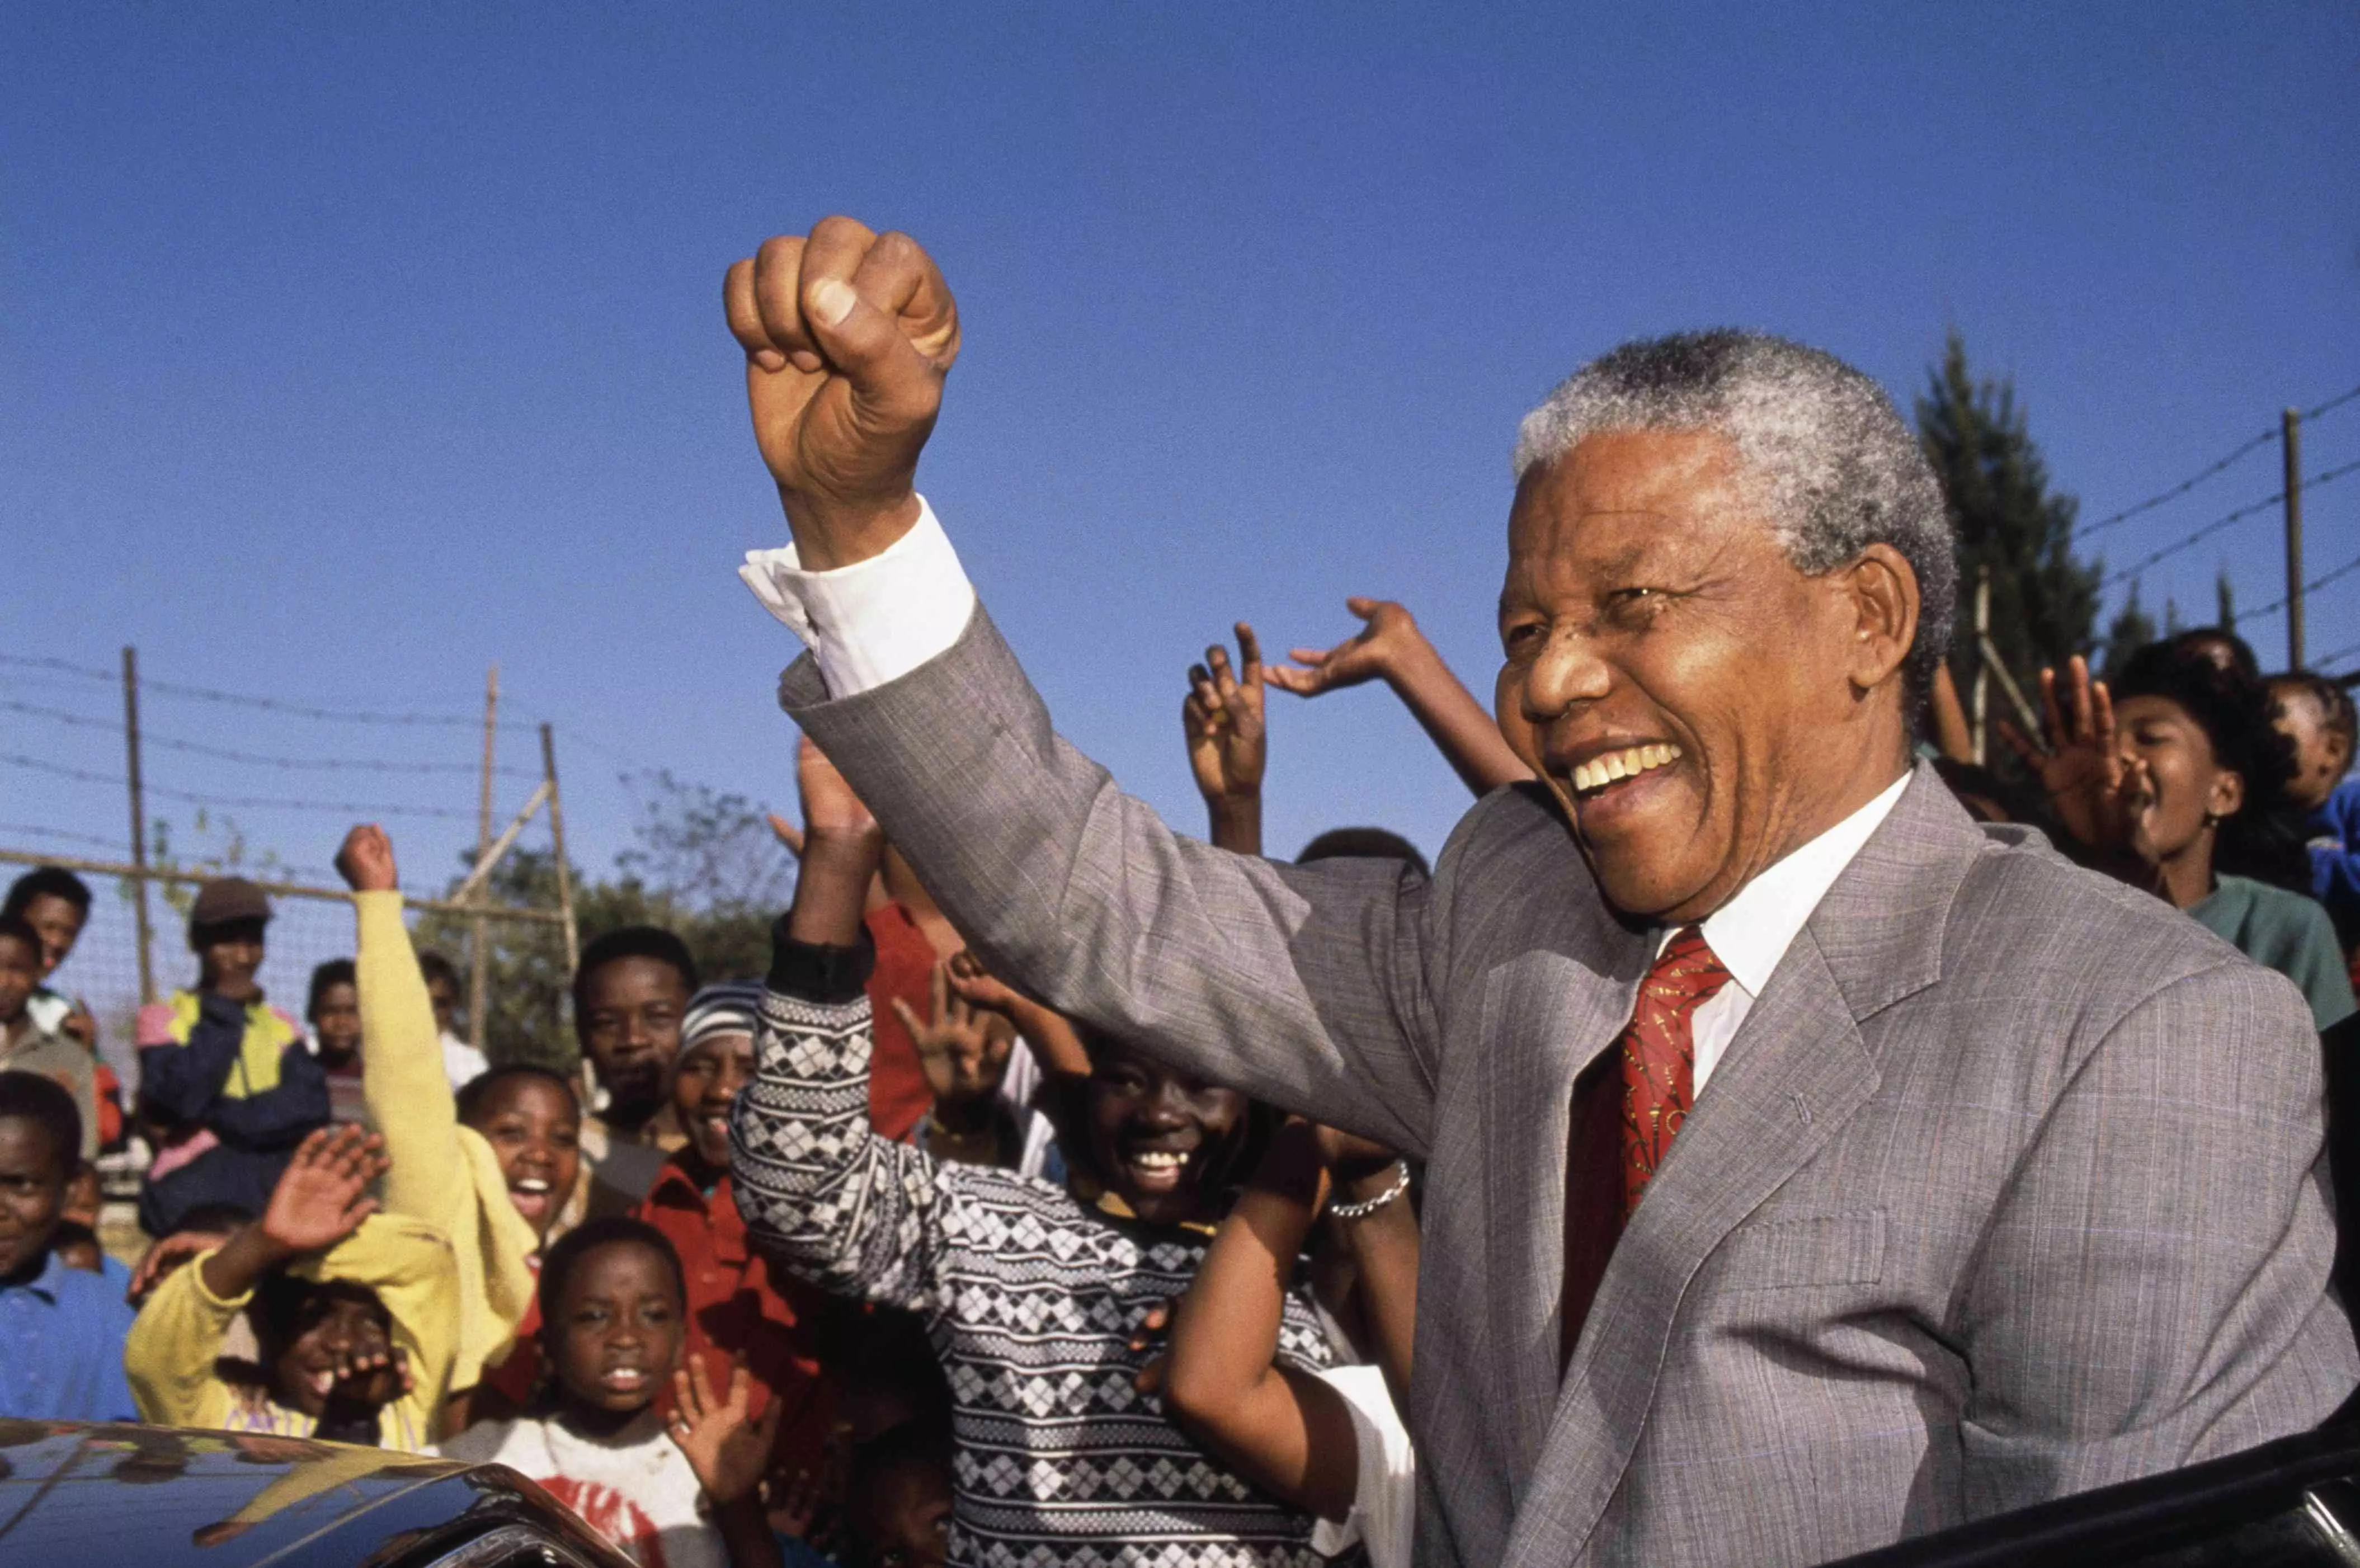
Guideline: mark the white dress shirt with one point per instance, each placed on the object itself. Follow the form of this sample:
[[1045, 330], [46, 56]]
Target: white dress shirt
[[878, 620]]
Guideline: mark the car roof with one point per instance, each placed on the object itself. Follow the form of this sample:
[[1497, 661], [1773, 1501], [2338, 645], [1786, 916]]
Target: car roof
[[162, 1497]]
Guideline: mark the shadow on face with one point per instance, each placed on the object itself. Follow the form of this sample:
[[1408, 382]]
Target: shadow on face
[[20, 975], [704, 1086], [228, 955], [310, 1330], [59, 923], [34, 1172]]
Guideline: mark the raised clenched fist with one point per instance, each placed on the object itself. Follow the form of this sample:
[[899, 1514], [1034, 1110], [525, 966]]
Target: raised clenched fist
[[848, 335]]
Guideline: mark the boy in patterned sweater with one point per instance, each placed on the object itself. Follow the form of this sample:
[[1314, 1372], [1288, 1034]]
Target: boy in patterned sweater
[[1031, 1292]]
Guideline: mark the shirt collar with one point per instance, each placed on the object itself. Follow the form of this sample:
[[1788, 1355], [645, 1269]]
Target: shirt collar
[[1752, 931], [50, 1282]]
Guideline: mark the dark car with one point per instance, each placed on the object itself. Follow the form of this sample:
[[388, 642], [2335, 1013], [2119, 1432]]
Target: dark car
[[157, 1497]]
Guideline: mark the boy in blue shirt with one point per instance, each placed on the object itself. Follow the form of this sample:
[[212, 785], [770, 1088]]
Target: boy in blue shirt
[[61, 1328]]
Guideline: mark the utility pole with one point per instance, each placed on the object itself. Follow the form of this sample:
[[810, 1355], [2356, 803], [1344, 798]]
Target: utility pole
[[1982, 692], [479, 968], [557, 843], [139, 820], [2290, 438]]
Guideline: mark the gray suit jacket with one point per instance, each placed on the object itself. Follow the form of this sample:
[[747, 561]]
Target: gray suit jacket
[[2010, 1185]]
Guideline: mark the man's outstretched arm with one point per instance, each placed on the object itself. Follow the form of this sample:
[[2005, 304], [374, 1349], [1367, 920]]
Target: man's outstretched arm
[[1305, 987]]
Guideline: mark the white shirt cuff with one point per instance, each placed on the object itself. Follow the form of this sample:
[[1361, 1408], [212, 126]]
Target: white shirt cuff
[[874, 621]]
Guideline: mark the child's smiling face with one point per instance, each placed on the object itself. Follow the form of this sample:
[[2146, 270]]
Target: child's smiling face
[[617, 1330], [33, 1173], [339, 1324], [534, 1126]]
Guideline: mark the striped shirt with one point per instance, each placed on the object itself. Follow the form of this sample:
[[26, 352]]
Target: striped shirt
[[1030, 1299]]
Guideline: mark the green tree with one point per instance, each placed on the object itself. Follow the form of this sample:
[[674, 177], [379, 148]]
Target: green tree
[[2225, 598], [2131, 630], [705, 864], [2044, 600]]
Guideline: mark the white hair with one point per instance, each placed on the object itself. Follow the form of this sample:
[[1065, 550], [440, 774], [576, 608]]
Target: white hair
[[1835, 468]]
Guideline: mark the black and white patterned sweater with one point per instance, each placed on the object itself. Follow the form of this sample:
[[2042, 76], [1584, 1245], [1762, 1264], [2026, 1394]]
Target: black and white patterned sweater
[[1030, 1298]]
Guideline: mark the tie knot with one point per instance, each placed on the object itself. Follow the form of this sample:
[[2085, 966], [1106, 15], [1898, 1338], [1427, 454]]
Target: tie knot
[[1686, 971]]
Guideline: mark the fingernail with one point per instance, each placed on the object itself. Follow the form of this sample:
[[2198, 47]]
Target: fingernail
[[770, 359], [832, 300]]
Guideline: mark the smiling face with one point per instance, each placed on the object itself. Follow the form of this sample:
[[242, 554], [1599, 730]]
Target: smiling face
[[33, 1176], [338, 1323], [2191, 786], [1157, 1135], [58, 924], [1699, 706], [618, 1329], [535, 1129], [629, 1026], [703, 1088]]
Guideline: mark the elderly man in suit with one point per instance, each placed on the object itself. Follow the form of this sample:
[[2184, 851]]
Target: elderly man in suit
[[1808, 1167]]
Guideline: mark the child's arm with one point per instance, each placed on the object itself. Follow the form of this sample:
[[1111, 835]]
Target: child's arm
[[401, 1054], [1384, 1242], [169, 1356], [1391, 646], [826, 1198], [728, 1451], [1229, 748], [1284, 1430]]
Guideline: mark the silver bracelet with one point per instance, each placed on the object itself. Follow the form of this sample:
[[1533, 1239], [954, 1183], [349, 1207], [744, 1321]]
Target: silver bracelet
[[1369, 1206]]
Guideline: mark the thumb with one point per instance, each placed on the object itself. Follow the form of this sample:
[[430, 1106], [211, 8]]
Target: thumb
[[1364, 607], [868, 344]]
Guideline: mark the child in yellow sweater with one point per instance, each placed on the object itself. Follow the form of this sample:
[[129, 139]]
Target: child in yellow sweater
[[351, 1311], [443, 1172]]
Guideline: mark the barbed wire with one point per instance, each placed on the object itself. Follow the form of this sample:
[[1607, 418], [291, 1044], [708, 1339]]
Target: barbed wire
[[241, 699], [2215, 467], [67, 835], [2279, 604], [2316, 481], [2346, 651], [256, 803], [197, 748]]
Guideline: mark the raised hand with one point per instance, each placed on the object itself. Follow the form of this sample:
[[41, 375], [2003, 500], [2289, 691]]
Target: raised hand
[[726, 1449], [323, 1196], [847, 336], [2081, 767], [963, 1048], [1228, 746], [1379, 650], [366, 861]]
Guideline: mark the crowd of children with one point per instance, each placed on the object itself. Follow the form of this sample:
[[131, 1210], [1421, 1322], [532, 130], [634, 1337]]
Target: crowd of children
[[875, 1259]]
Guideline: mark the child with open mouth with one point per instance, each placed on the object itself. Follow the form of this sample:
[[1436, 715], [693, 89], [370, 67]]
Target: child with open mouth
[[1031, 1292], [670, 1492]]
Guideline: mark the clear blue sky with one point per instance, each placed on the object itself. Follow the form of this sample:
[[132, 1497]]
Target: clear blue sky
[[344, 351]]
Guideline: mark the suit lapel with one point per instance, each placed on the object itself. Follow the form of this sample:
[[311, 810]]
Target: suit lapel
[[1545, 1016], [1795, 1072]]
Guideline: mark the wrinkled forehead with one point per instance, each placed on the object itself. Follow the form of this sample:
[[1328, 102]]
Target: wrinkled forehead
[[1655, 478]]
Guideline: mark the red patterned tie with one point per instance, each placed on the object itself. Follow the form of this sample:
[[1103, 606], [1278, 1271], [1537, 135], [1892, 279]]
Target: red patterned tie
[[1659, 1055]]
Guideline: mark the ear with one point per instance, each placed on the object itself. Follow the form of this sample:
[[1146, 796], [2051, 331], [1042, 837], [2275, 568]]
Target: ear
[[1881, 591], [2228, 795]]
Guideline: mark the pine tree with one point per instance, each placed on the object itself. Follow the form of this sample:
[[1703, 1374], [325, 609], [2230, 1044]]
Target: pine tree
[[2225, 593], [2044, 600], [2131, 630]]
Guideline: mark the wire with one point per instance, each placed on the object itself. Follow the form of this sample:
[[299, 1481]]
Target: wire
[[2343, 652], [92, 838], [2217, 524], [82, 721], [256, 803], [2215, 467], [2309, 588], [238, 699]]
